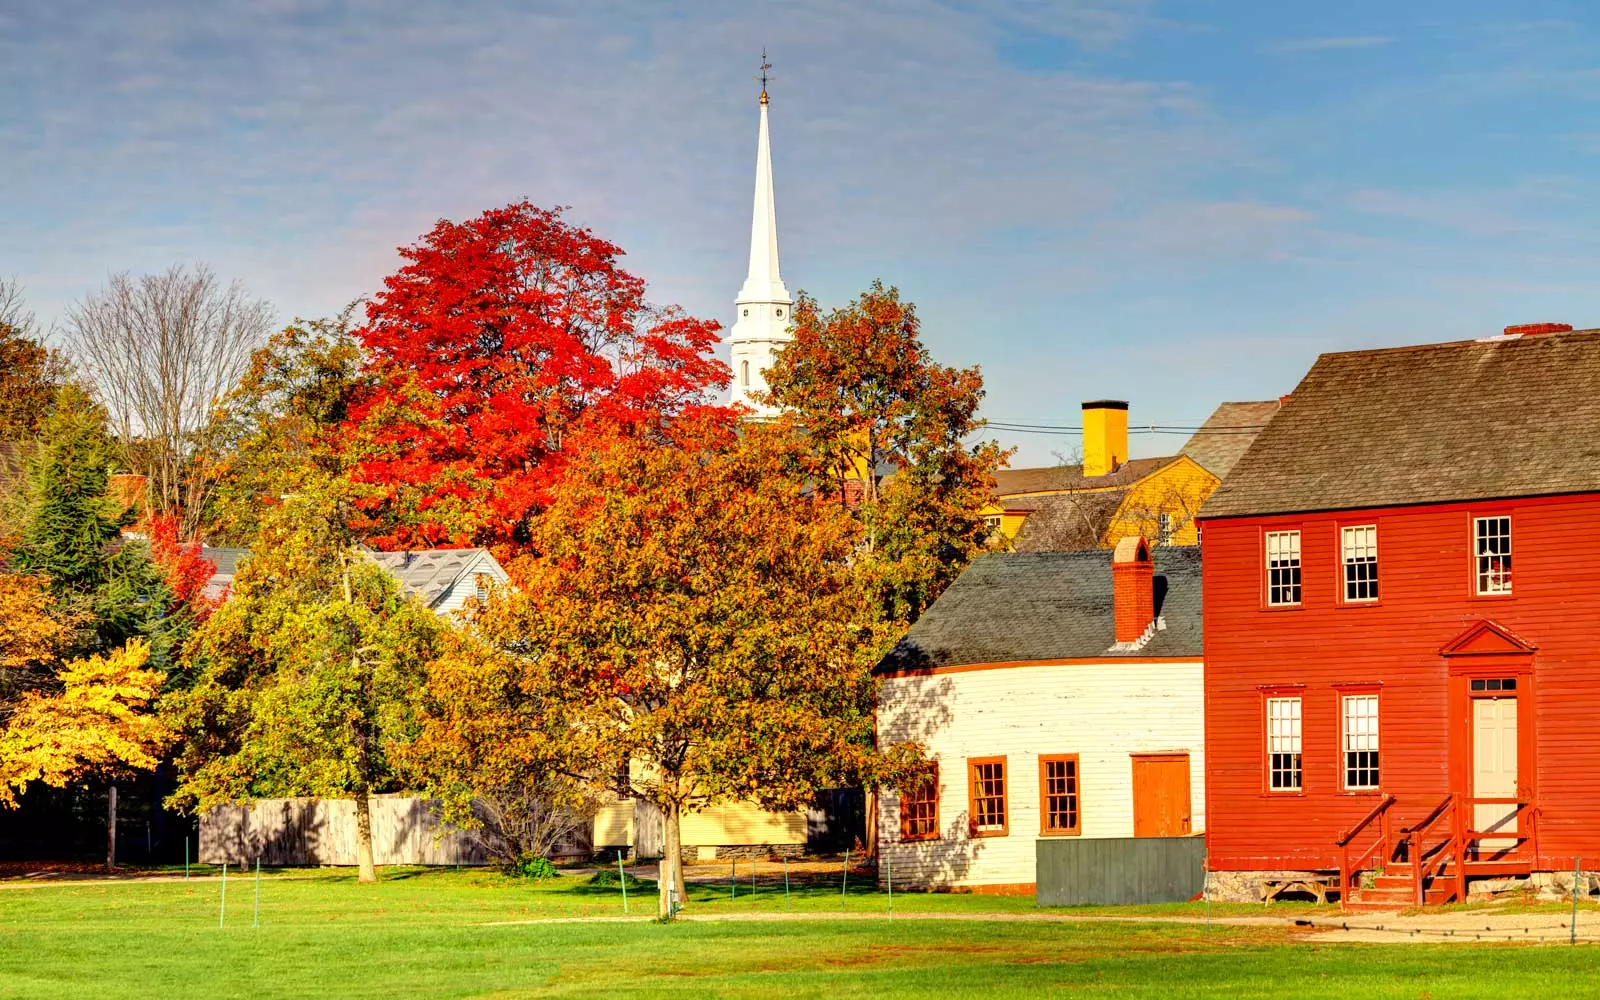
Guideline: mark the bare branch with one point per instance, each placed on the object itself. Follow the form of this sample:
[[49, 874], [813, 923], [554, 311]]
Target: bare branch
[[161, 351]]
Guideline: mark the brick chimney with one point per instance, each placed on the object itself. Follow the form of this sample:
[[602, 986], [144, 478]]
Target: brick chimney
[[1534, 329], [1105, 436], [1132, 589]]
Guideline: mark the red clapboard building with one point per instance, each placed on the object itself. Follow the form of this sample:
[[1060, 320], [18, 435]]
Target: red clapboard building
[[1402, 622]]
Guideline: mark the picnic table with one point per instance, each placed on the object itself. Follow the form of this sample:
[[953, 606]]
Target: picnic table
[[1317, 886]]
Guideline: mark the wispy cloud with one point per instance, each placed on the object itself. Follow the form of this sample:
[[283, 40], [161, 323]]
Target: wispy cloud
[[1330, 43]]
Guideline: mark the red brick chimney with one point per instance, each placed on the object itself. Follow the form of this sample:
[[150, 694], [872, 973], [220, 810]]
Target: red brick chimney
[[1534, 329], [1132, 589]]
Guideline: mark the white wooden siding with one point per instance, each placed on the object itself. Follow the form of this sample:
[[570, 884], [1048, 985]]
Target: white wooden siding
[[1101, 712], [466, 584]]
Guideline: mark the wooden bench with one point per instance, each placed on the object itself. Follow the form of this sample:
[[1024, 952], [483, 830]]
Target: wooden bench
[[1317, 886]]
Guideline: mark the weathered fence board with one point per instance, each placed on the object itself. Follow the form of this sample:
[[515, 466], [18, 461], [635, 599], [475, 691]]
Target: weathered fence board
[[1117, 871], [405, 831]]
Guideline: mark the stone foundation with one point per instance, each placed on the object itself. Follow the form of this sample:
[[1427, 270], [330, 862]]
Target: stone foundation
[[741, 852], [1245, 887]]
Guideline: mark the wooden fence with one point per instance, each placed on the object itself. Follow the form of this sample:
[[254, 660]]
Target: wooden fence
[[405, 831], [1117, 871]]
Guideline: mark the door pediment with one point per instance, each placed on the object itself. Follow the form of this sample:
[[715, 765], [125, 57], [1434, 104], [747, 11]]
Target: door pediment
[[1486, 638]]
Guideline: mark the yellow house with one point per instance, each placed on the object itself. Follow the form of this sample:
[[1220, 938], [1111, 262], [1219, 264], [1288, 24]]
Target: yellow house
[[1110, 496]]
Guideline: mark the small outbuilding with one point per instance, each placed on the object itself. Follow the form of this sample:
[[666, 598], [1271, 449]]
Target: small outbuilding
[[1058, 695]]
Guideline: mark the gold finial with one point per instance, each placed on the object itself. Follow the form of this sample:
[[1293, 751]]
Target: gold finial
[[763, 77]]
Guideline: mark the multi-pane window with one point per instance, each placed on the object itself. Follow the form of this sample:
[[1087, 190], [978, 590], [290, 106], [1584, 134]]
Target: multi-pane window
[[1493, 547], [1163, 528], [1283, 744], [1360, 548], [988, 799], [919, 807], [1283, 567], [1361, 741], [1058, 793]]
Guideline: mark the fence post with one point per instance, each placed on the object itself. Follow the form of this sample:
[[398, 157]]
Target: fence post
[[1577, 869], [786, 902], [622, 880], [844, 880], [186, 857], [733, 879], [222, 911], [1205, 886], [888, 864], [258, 891], [753, 864]]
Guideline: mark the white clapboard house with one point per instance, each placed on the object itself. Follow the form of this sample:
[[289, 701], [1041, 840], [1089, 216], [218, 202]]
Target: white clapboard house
[[1059, 694], [443, 579]]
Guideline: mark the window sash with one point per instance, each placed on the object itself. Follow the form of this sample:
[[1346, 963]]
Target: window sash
[[1283, 568], [1360, 741], [1284, 763], [1359, 548], [1059, 791], [1492, 548], [987, 779], [919, 808]]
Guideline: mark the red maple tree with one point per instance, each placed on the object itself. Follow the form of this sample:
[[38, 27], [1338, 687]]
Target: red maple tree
[[502, 341], [182, 565]]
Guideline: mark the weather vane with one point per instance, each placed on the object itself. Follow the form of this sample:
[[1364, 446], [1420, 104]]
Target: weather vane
[[764, 67]]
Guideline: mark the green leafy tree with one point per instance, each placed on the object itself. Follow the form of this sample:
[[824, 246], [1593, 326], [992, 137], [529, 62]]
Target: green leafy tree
[[689, 631], [891, 432], [69, 532], [282, 425], [306, 680]]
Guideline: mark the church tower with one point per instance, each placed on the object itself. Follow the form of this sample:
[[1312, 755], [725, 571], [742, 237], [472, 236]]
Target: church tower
[[761, 324]]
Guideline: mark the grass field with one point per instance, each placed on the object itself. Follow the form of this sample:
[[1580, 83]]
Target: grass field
[[465, 934]]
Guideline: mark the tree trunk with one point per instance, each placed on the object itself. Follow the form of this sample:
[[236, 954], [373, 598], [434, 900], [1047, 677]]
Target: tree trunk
[[870, 821], [369, 871], [111, 829], [669, 879]]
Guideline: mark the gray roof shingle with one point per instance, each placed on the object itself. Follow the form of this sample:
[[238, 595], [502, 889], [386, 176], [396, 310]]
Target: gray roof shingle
[[1010, 482], [427, 573], [1227, 434], [1020, 606], [1069, 522], [1474, 419]]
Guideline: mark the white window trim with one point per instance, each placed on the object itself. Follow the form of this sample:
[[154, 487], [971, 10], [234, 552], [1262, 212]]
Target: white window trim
[[1479, 574], [1361, 552], [1363, 738], [1285, 735], [1289, 554]]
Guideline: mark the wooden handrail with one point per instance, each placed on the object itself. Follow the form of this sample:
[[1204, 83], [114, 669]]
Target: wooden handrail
[[1432, 818], [1377, 810], [1380, 849]]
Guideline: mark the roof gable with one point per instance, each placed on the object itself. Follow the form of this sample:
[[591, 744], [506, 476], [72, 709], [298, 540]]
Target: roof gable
[[1486, 638], [1062, 478], [1500, 417], [1228, 433]]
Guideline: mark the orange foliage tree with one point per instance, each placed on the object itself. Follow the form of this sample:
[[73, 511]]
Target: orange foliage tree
[[891, 432], [687, 630]]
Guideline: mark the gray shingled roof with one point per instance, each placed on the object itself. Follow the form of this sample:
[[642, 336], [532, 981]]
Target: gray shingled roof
[[427, 573], [1010, 482], [1019, 606], [226, 563], [1069, 522], [1475, 419], [1227, 434]]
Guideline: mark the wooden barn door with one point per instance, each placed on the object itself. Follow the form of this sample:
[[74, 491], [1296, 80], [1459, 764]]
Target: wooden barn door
[[1161, 795]]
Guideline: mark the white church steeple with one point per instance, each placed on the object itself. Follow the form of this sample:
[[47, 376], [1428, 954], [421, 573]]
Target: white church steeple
[[761, 325]]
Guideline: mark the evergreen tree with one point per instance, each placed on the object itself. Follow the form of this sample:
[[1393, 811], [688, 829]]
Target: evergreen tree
[[69, 531]]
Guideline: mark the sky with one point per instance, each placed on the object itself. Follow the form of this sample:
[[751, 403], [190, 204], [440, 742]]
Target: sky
[[1172, 203]]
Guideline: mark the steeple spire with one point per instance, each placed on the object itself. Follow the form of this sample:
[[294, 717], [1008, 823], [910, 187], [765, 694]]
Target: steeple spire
[[763, 282], [762, 323]]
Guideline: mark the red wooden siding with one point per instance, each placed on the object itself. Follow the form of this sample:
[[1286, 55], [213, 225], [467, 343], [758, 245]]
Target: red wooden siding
[[1326, 648]]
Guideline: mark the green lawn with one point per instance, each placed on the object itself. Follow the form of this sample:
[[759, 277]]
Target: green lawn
[[453, 934]]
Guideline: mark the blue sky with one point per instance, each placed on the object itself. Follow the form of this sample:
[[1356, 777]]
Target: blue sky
[[1173, 203]]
